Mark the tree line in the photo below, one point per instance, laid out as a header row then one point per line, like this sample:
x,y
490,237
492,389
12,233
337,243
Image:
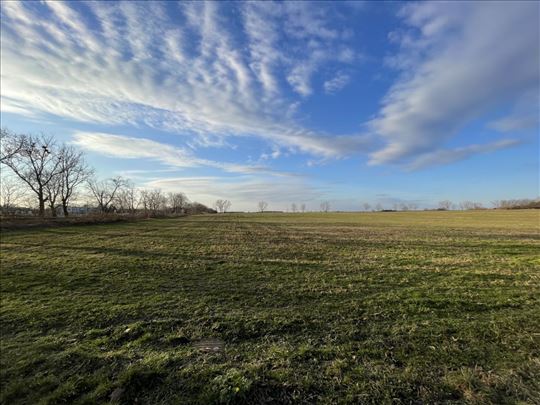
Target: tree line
x,y
445,205
54,176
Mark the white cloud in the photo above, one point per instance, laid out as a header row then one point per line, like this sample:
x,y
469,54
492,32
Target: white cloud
x,y
460,60
276,153
126,147
446,156
190,72
336,83
524,116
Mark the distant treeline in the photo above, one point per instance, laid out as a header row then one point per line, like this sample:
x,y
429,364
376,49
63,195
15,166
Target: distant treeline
x,y
517,204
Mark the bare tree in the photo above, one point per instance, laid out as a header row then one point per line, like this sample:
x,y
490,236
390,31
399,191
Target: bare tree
x,y
303,207
11,193
325,206
517,203
465,205
413,206
144,200
177,202
128,198
366,206
153,201
52,190
445,204
470,205
73,173
262,205
379,207
36,164
293,207
157,201
198,208
10,144
222,205
404,207
105,192
478,206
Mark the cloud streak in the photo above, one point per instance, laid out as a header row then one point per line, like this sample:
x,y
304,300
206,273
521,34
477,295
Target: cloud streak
x,y
126,147
446,156
459,61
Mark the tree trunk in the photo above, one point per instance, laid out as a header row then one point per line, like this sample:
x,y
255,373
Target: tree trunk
x,y
41,206
53,210
65,208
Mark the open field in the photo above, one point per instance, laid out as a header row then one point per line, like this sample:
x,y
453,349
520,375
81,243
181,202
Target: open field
x,y
418,307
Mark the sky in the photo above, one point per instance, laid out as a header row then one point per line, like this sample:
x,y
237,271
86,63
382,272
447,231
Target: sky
x,y
286,102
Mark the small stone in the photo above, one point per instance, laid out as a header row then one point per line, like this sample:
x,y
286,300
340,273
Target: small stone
x,y
116,394
209,345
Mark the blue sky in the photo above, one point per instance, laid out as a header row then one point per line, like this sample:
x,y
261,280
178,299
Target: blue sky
x,y
289,102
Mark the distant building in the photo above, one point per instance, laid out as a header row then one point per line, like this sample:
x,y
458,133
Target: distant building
x,y
84,210
18,211
79,210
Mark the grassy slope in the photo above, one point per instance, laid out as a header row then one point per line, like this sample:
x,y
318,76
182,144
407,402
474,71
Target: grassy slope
x,y
370,308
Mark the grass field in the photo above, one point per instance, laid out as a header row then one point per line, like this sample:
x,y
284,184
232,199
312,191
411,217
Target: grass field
x,y
418,307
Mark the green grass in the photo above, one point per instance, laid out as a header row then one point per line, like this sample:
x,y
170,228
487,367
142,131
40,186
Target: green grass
x,y
419,307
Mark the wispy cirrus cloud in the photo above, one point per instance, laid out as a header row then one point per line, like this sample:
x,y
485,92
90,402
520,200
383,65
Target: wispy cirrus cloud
x,y
126,147
459,61
184,68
